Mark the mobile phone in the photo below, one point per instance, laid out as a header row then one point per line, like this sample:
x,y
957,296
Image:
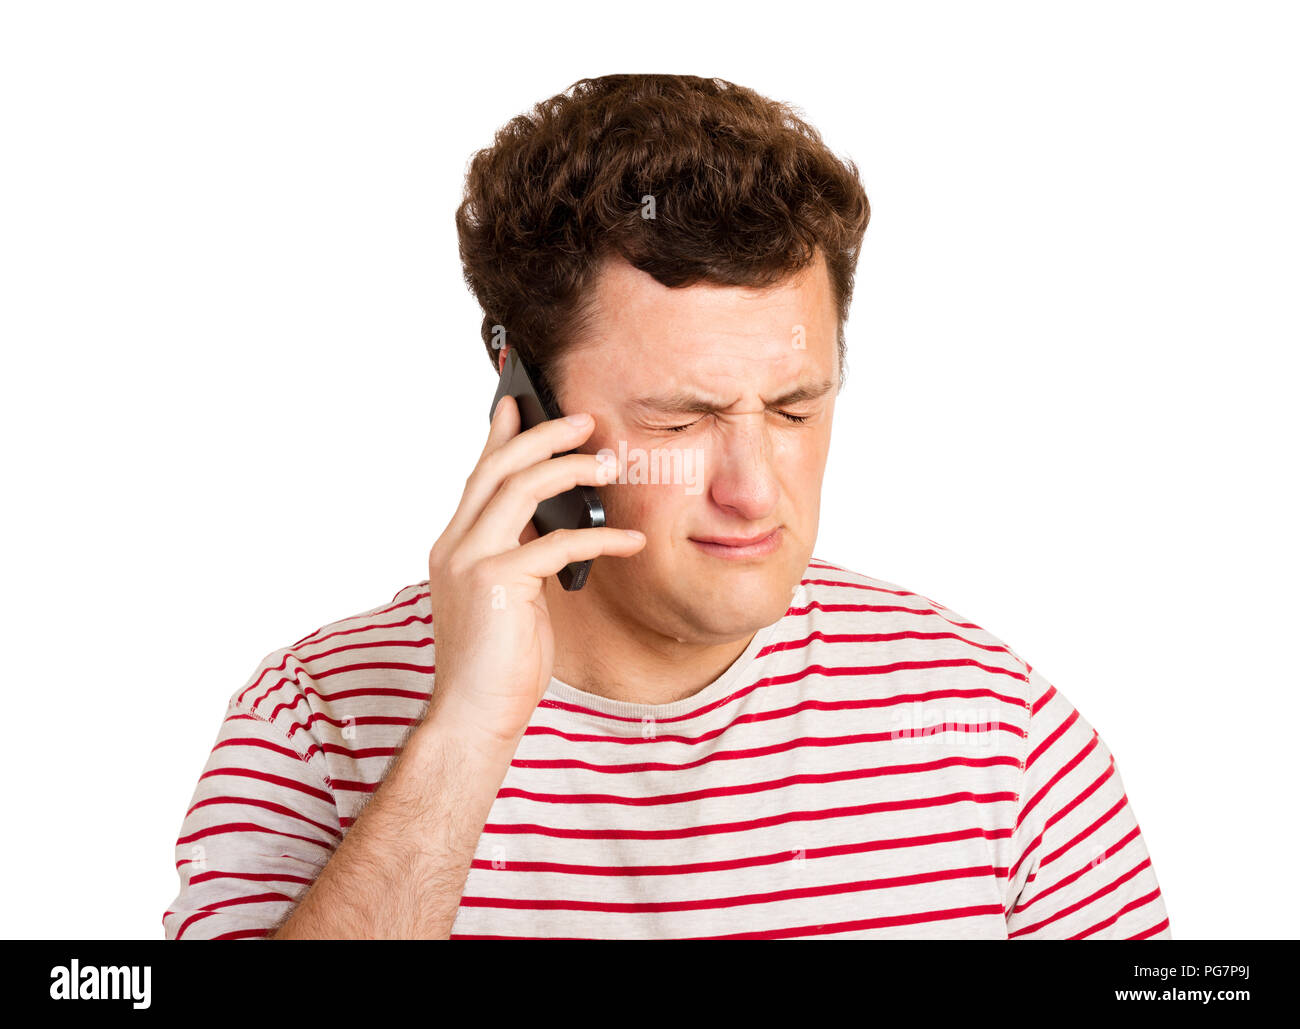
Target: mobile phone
x,y
578,508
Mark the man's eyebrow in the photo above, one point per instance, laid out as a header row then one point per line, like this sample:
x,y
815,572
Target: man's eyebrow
x,y
689,402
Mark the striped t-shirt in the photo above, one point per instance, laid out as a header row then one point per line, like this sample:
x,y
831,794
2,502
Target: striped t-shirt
x,y
873,765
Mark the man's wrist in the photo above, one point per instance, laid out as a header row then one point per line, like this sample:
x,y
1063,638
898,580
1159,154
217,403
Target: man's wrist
x,y
447,733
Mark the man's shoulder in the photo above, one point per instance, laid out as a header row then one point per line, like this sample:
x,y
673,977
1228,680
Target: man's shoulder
x,y
409,609
835,598
383,651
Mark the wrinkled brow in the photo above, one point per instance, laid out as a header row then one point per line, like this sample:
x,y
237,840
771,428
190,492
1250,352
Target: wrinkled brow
x,y
690,402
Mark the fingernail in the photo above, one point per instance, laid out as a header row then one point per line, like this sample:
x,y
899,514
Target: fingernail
x,y
634,534
577,419
497,410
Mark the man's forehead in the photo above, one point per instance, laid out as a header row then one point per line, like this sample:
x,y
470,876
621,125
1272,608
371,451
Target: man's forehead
x,y
683,348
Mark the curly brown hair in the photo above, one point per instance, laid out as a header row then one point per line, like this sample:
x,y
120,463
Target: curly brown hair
x,y
745,194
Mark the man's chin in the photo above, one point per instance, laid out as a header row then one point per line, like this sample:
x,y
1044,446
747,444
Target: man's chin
x,y
733,616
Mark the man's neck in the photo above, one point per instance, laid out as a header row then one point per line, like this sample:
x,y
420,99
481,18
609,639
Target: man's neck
x,y
600,652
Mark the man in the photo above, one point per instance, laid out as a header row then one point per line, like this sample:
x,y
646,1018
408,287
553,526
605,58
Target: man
x,y
719,735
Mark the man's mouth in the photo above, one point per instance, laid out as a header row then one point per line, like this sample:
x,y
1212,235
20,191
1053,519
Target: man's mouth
x,y
739,547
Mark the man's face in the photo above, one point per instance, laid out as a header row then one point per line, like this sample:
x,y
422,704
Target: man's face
x,y
741,468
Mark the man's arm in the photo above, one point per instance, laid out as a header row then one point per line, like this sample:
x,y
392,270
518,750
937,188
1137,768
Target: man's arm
x,y
400,871
1080,867
263,826
261,823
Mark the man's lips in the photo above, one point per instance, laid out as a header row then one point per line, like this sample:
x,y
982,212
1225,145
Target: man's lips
x,y
734,541
739,546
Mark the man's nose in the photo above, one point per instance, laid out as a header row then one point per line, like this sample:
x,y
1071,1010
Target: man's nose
x,y
741,474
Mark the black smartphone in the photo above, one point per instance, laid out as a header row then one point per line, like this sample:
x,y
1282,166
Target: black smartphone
x,y
578,508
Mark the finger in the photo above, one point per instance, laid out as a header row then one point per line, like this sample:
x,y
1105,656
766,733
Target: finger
x,y
548,554
507,455
504,424
515,503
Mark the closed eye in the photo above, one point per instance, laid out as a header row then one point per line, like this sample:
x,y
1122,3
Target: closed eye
x,y
797,419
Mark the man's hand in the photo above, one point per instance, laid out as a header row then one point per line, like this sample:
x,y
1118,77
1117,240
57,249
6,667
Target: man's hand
x,y
494,646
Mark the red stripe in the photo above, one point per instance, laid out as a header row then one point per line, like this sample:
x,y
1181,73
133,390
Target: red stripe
x,y
1052,737
229,827
692,868
806,930
359,754
257,898
817,605
764,786
1131,906
254,876
268,805
475,936
275,780
878,589
215,908
714,903
862,923
719,828
761,716
197,916
734,755
871,637
1044,700
367,622
1148,933
793,677
841,583
354,786
249,741
424,641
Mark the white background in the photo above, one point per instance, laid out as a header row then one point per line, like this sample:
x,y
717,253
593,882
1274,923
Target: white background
x,y
243,383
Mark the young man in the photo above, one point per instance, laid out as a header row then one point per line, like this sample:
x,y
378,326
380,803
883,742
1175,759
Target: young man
x,y
719,735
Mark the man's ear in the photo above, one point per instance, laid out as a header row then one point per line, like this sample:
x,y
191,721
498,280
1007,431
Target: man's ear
x,y
501,361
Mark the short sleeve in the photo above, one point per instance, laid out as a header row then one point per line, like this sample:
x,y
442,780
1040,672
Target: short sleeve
x,y
261,825
1081,868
